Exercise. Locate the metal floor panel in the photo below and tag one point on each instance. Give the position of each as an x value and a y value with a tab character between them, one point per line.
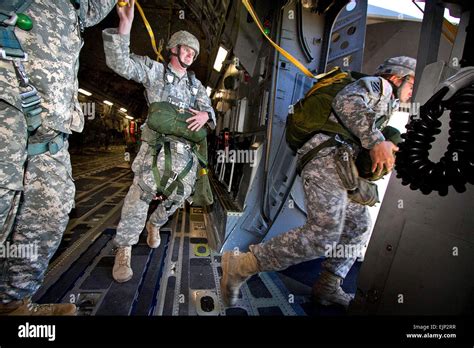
180	277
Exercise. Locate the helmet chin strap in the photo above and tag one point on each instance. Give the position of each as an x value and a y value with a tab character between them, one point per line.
404	81
398	90
183	64
395	89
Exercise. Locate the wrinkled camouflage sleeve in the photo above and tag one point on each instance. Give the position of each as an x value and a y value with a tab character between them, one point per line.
204	104
358	109
130	66
94	11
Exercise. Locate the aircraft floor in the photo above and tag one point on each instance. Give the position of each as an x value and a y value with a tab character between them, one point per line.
180	277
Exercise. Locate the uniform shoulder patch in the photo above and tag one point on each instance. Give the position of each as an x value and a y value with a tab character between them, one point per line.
374	85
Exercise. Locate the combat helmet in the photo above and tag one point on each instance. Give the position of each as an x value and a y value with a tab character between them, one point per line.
400	66
184	37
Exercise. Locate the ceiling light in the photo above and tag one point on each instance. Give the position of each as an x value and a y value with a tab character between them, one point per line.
108	103
83	91
221	56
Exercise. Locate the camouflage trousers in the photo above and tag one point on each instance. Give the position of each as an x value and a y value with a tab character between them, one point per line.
334	225
13	136
42	216
135	207
9	202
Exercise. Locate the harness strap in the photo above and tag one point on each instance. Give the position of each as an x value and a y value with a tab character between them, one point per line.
194	88
10	47
167	89
168	165
53	145
179	180
190	145
162	181
147	194
192	85
307	157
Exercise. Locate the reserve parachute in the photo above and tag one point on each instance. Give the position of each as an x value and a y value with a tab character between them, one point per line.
167	121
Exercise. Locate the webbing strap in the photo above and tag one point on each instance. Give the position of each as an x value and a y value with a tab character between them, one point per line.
179	180
307	157
193	88
150	33
154	168
336	128
342	129
167	88
10	47
168	165
279	49
53	145
162	181
201	159
16	6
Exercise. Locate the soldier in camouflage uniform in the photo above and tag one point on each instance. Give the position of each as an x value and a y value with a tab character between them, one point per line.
332	216
35	163
171	83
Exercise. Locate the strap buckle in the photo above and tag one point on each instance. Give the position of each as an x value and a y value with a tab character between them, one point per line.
175	176
30	98
10	21
29	93
5	56
340	140
21	73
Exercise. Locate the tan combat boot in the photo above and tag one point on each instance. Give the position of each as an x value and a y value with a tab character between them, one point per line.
327	290
26	307
122	272
236	269
153	239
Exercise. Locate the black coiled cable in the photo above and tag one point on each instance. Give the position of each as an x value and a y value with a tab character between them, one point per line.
456	167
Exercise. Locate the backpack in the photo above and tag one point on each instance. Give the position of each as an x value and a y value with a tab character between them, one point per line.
311	114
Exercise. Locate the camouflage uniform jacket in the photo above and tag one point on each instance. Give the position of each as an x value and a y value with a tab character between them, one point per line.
359	106
53	46
151	74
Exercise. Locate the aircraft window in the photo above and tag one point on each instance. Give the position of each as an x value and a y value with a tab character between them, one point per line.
351	30
344	45
335	37
351	6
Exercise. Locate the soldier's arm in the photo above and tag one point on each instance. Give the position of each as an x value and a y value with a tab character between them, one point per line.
204	104
94	11
130	66
353	106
